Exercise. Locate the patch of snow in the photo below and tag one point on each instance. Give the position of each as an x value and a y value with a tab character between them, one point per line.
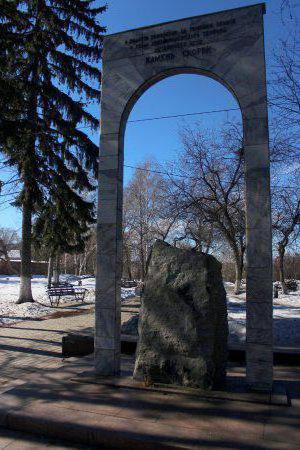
127	293
286	307
286	314
11	313
14	254
9	292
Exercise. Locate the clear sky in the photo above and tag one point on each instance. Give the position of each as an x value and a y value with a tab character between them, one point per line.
175	95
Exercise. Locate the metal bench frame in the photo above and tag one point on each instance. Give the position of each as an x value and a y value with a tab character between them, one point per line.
65	290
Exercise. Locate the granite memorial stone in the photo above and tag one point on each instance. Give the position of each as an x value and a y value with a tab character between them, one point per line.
183	325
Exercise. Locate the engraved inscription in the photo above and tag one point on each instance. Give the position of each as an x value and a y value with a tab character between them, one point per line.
191	41
159	58
197	51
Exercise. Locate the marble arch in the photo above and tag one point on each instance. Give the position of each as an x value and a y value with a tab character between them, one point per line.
229	47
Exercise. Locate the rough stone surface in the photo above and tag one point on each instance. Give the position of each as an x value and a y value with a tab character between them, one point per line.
130	327
183	325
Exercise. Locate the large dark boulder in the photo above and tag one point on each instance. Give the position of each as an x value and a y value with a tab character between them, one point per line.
183	325
130	327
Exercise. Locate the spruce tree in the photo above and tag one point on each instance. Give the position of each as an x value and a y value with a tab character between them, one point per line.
59	76
11	22
58	232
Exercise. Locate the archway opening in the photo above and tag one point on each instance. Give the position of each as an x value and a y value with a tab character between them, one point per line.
172	117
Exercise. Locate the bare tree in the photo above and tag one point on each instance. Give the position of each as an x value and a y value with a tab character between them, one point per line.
285	100
128	237
211	186
145	215
287	8
286	86
286	225
193	230
82	261
50	270
88	258
285	82
8	241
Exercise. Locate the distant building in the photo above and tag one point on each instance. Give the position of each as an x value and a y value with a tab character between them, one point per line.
14	265
14	255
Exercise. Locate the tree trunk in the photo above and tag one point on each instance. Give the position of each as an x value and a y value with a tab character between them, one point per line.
239	266
281	252
75	265
129	272
25	294
50	269
142	259
85	262
56	269
11	267
127	259
82	264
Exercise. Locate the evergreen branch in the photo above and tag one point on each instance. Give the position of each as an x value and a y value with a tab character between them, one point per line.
81	67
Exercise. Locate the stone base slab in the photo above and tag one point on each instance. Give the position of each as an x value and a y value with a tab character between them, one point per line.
115	413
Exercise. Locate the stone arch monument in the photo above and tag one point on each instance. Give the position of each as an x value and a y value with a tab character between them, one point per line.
229	47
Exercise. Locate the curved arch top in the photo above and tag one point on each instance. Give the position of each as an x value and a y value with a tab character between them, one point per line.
161	76
227	46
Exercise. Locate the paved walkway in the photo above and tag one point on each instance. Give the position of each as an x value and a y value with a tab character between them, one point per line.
69	403
13	440
43	393
33	346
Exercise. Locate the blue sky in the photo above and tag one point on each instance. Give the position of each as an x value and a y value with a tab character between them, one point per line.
175	95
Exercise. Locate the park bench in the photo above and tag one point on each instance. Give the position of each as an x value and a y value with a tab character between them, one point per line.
128	283
57	290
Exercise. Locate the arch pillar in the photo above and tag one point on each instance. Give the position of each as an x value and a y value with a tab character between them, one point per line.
229	47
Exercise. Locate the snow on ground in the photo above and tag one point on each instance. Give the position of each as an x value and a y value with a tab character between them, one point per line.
9	291
286	307
286	314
